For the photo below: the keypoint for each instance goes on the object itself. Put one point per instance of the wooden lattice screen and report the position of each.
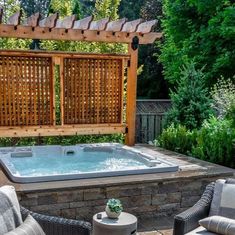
(26, 91)
(91, 86)
(93, 89)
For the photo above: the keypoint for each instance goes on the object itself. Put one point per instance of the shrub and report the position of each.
(178, 139)
(215, 142)
(223, 95)
(190, 102)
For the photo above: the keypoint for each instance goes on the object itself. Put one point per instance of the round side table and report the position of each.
(126, 224)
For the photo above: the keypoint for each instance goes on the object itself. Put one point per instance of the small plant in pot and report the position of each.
(113, 208)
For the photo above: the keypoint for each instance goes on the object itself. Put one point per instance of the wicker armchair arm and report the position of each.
(52, 225)
(188, 220)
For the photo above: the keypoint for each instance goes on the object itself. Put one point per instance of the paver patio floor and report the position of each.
(155, 226)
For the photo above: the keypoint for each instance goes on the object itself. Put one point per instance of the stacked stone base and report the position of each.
(160, 198)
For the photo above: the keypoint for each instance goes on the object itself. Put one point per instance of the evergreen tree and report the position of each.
(191, 104)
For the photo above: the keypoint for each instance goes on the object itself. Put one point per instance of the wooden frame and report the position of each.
(104, 30)
(52, 28)
(58, 58)
(63, 130)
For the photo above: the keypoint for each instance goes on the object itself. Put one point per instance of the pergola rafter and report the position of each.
(103, 30)
(91, 85)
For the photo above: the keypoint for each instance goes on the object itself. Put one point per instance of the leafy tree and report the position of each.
(87, 7)
(106, 8)
(190, 102)
(103, 8)
(33, 6)
(10, 7)
(202, 31)
(151, 83)
(130, 9)
(77, 9)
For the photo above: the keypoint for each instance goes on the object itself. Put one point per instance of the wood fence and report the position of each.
(149, 119)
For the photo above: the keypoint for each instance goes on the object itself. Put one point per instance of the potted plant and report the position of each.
(113, 208)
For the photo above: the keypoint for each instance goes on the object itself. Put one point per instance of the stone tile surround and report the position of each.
(147, 195)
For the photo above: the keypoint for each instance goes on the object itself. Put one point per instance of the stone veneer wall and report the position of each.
(141, 199)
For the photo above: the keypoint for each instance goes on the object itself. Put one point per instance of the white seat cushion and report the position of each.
(223, 202)
(200, 231)
(10, 216)
(29, 227)
(219, 224)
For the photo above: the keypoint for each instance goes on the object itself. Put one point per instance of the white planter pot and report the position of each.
(110, 214)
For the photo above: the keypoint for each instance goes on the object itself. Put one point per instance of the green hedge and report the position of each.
(214, 142)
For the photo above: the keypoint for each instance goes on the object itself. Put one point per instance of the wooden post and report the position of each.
(62, 90)
(53, 92)
(131, 94)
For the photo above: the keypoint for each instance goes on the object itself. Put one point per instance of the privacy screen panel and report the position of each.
(26, 90)
(93, 89)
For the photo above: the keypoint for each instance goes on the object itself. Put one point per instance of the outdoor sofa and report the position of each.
(187, 222)
(17, 220)
(53, 225)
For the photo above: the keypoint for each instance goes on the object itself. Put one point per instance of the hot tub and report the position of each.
(52, 163)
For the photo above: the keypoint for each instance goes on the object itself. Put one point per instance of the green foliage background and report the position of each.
(202, 31)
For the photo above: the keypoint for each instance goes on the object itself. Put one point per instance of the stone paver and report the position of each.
(155, 226)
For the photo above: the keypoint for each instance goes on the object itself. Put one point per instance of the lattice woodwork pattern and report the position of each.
(93, 90)
(26, 90)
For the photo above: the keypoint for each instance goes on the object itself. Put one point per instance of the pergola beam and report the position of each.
(65, 130)
(53, 28)
(27, 32)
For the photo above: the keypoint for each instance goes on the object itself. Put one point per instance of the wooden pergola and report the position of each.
(91, 85)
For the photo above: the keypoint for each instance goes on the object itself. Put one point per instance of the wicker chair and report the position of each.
(188, 220)
(59, 226)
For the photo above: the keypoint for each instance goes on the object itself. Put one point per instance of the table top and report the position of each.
(123, 220)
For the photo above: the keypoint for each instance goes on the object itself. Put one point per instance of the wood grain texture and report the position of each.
(33, 20)
(146, 27)
(131, 26)
(49, 22)
(99, 24)
(66, 23)
(92, 90)
(26, 96)
(131, 96)
(91, 93)
(89, 129)
(116, 25)
(14, 19)
(83, 23)
(9, 31)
